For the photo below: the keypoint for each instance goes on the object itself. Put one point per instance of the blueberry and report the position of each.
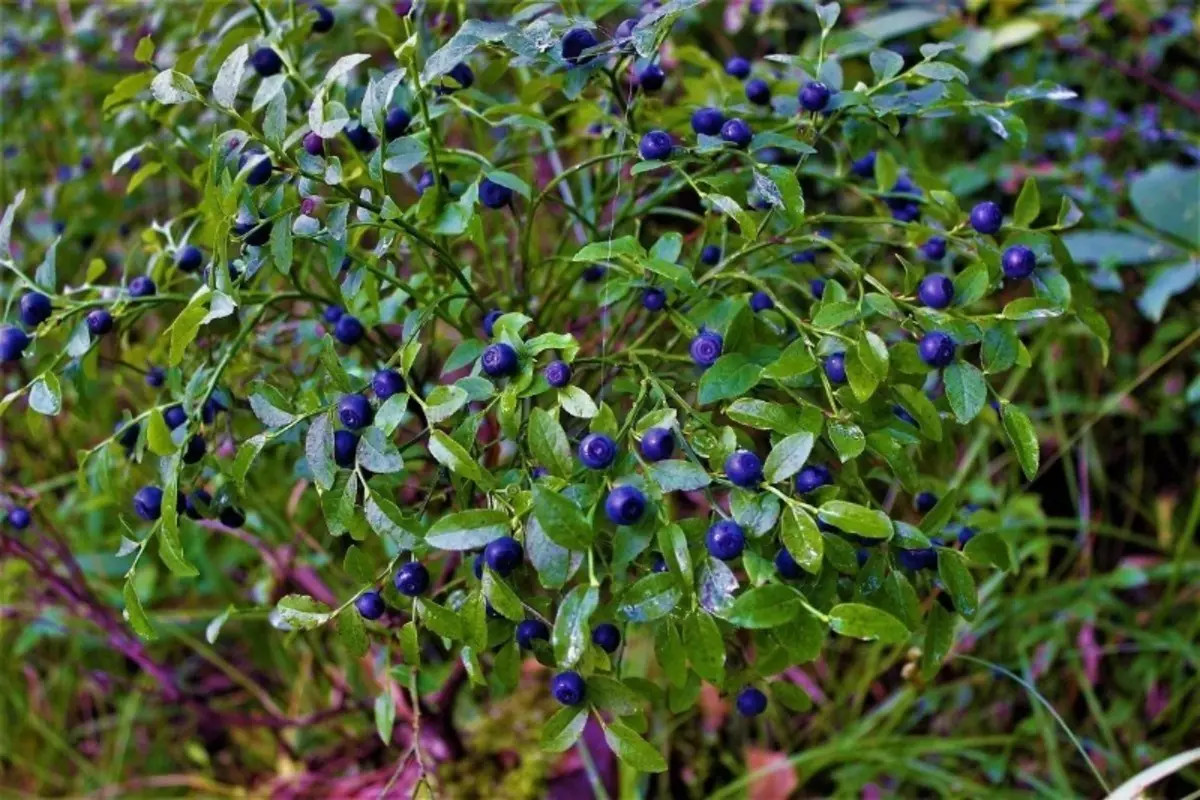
(195, 450)
(314, 145)
(906, 212)
(708, 121)
(705, 349)
(412, 579)
(266, 62)
(196, 504)
(804, 257)
(529, 630)
(461, 73)
(934, 249)
(13, 342)
(987, 217)
(814, 96)
(503, 555)
(737, 132)
(654, 299)
(817, 287)
(659, 564)
(787, 566)
(232, 517)
(936, 349)
(142, 286)
(738, 67)
(658, 444)
(936, 291)
(387, 382)
(751, 702)
(607, 637)
(655, 145)
(925, 501)
(189, 259)
(260, 169)
(332, 314)
(916, 560)
(625, 505)
(396, 122)
(99, 322)
(477, 565)
(574, 43)
(593, 273)
(965, 535)
(835, 368)
(1018, 262)
(156, 377)
(127, 434)
(558, 374)
(725, 540)
(354, 411)
(743, 468)
(370, 605)
(253, 232)
(568, 688)
(761, 301)
(147, 503)
(499, 360)
(493, 195)
(489, 321)
(539, 472)
(322, 24)
(864, 167)
(758, 92)
(19, 518)
(345, 445)
(597, 451)
(813, 477)
(651, 78)
(348, 330)
(362, 139)
(902, 414)
(710, 255)
(174, 416)
(35, 309)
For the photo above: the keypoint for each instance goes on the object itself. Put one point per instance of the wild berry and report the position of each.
(13, 342)
(370, 605)
(987, 217)
(500, 360)
(332, 314)
(707, 121)
(655, 145)
(761, 301)
(835, 368)
(814, 96)
(396, 123)
(758, 92)
(232, 517)
(965, 535)
(197, 504)
(363, 140)
(19, 518)
(156, 377)
(574, 43)
(558, 374)
(127, 434)
(705, 349)
(345, 445)
(751, 702)
(659, 564)
(817, 287)
(916, 560)
(494, 195)
(174, 416)
(607, 637)
(195, 450)
(314, 145)
(387, 382)
(503, 555)
(625, 505)
(725, 540)
(35, 309)
(902, 414)
(189, 259)
(651, 78)
(812, 477)
(592, 273)
(925, 501)
(489, 321)
(737, 132)
(658, 444)
(253, 232)
(710, 255)
(412, 579)
(597, 451)
(743, 468)
(142, 286)
(147, 503)
(936, 291)
(1018, 262)
(348, 330)
(568, 688)
(354, 410)
(529, 631)
(324, 21)
(864, 167)
(654, 299)
(738, 67)
(99, 322)
(934, 249)
(266, 62)
(803, 257)
(260, 167)
(786, 566)
(936, 349)
(462, 74)
(624, 31)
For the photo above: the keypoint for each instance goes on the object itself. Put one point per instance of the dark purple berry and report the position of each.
(370, 605)
(503, 555)
(558, 374)
(812, 477)
(814, 96)
(597, 451)
(705, 349)
(936, 291)
(568, 688)
(387, 382)
(737, 132)
(707, 121)
(751, 702)
(987, 217)
(500, 360)
(744, 468)
(412, 579)
(1018, 262)
(607, 637)
(655, 145)
(658, 444)
(835, 368)
(625, 505)
(725, 540)
(354, 410)
(35, 309)
(936, 349)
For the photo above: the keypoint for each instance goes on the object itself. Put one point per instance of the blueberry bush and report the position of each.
(453, 399)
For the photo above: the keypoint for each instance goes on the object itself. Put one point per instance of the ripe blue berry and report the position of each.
(147, 503)
(761, 301)
(387, 382)
(574, 43)
(658, 444)
(925, 501)
(813, 477)
(370, 605)
(174, 416)
(35, 309)
(189, 259)
(936, 291)
(348, 330)
(934, 249)
(195, 450)
(965, 535)
(477, 565)
(99, 322)
(817, 287)
(743, 468)
(463, 74)
(558, 374)
(493, 195)
(936, 349)
(902, 414)
(786, 566)
(260, 171)
(529, 630)
(127, 434)
(142, 286)
(19, 518)
(266, 62)
(814, 96)
(987, 217)
(503, 555)
(232, 517)
(324, 21)
(906, 212)
(708, 121)
(737, 132)
(705, 349)
(738, 67)
(354, 411)
(751, 702)
(412, 579)
(625, 505)
(499, 360)
(659, 564)
(864, 167)
(568, 688)
(804, 257)
(363, 140)
(710, 255)
(917, 560)
(593, 273)
(314, 145)
(253, 232)
(655, 145)
(489, 321)
(654, 299)
(607, 637)
(1018, 262)
(196, 504)
(835, 368)
(13, 342)
(597, 451)
(345, 445)
(725, 540)
(156, 377)
(651, 78)
(396, 123)
(758, 92)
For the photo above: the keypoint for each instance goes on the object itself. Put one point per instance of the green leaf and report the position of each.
(134, 614)
(965, 389)
(564, 728)
(548, 443)
(385, 519)
(467, 530)
(678, 476)
(856, 519)
(867, 622)
(1167, 198)
(318, 452)
(914, 401)
(443, 402)
(651, 598)
(668, 649)
(578, 403)
(625, 246)
(886, 64)
(385, 716)
(847, 439)
(956, 577)
(941, 513)
(508, 180)
(455, 458)
(757, 512)
(609, 694)
(633, 749)
(790, 192)
(731, 376)
(571, 632)
(300, 612)
(939, 638)
(1029, 204)
(439, 619)
(353, 634)
(705, 647)
(1023, 437)
(358, 566)
(800, 535)
(795, 361)
(788, 456)
(502, 597)
(229, 76)
(971, 284)
(989, 550)
(562, 520)
(764, 607)
(1000, 348)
